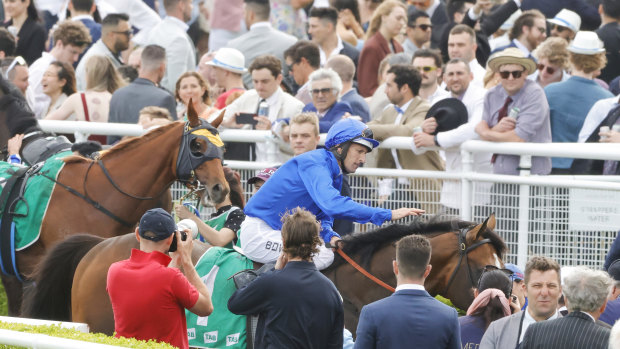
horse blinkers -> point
(198, 145)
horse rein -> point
(360, 269)
(463, 252)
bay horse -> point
(106, 197)
(85, 299)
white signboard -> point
(594, 210)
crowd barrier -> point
(573, 219)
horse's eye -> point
(197, 148)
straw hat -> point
(229, 59)
(567, 18)
(512, 55)
(586, 43)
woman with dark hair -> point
(58, 83)
(493, 301)
(222, 227)
(24, 25)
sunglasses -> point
(508, 273)
(550, 70)
(426, 68)
(424, 27)
(17, 60)
(322, 90)
(515, 74)
(558, 28)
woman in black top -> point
(24, 24)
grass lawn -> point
(4, 311)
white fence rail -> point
(571, 218)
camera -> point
(173, 245)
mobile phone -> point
(173, 245)
(246, 118)
(513, 298)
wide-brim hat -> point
(512, 55)
(567, 18)
(450, 113)
(229, 59)
(586, 43)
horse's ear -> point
(216, 123)
(192, 115)
(491, 222)
(476, 231)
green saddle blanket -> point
(221, 329)
(37, 196)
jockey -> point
(313, 181)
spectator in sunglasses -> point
(552, 56)
(565, 25)
(524, 100)
(570, 101)
(428, 63)
(15, 70)
(419, 29)
(325, 86)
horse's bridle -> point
(463, 252)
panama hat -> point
(567, 18)
(586, 43)
(512, 55)
(229, 59)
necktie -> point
(503, 112)
(258, 106)
(398, 110)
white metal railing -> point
(526, 233)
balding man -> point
(345, 68)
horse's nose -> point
(218, 193)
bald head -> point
(343, 66)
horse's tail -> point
(49, 296)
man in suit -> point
(409, 109)
(267, 75)
(528, 31)
(410, 316)
(127, 102)
(171, 33)
(550, 8)
(436, 9)
(322, 30)
(116, 33)
(325, 86)
(261, 38)
(428, 62)
(612, 311)
(586, 292)
(609, 33)
(345, 68)
(543, 288)
(458, 78)
(309, 317)
(302, 59)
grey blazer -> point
(258, 41)
(503, 333)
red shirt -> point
(220, 103)
(149, 299)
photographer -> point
(148, 292)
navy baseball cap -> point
(156, 224)
(614, 270)
(517, 274)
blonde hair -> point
(156, 112)
(310, 118)
(101, 75)
(588, 63)
(555, 50)
(383, 10)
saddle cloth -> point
(37, 196)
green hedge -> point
(57, 331)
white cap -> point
(511, 20)
(567, 18)
(229, 59)
(586, 43)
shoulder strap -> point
(83, 95)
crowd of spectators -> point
(506, 70)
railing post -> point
(80, 136)
(467, 159)
(525, 165)
(272, 148)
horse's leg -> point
(14, 291)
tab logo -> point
(211, 337)
(232, 339)
(191, 333)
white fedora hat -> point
(567, 18)
(586, 43)
(229, 59)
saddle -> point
(244, 277)
(40, 149)
(12, 193)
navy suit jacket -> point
(573, 331)
(351, 52)
(408, 319)
(358, 104)
(334, 114)
(590, 19)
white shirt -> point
(399, 117)
(478, 71)
(38, 100)
(178, 22)
(597, 113)
(438, 95)
(260, 24)
(522, 47)
(409, 287)
(528, 320)
(334, 52)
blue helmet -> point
(350, 130)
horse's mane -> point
(364, 244)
